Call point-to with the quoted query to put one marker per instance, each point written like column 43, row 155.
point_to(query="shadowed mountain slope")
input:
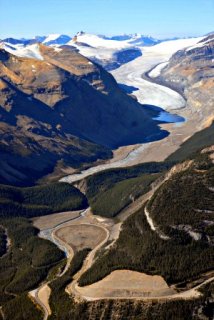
column 56, row 105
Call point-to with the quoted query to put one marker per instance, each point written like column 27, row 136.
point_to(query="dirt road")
column 41, row 301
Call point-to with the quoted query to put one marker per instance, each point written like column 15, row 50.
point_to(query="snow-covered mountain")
column 56, row 39
column 136, row 39
column 203, row 43
column 30, row 47
column 114, row 42
column 62, row 106
column 107, row 52
column 14, row 41
column 23, row 41
column 97, row 41
column 154, row 58
column 51, row 39
column 110, row 52
column 29, row 51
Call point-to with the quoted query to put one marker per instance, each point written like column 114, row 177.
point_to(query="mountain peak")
column 56, row 39
column 80, row 33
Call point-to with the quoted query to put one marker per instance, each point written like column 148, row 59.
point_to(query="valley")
column 111, row 287
column 176, row 116
column 128, row 285
column 136, row 229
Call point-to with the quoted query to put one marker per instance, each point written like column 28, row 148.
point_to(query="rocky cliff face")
column 191, row 71
column 61, row 106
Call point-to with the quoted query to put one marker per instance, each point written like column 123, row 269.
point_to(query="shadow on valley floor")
column 161, row 115
column 128, row 89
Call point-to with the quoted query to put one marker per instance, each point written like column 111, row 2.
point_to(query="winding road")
column 34, row 294
column 73, row 288
column 147, row 92
column 49, row 234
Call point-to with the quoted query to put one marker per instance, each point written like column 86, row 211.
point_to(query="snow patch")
column 57, row 49
column 172, row 46
column 152, row 226
column 188, row 229
column 130, row 74
column 199, row 45
column 157, row 70
column 93, row 46
column 149, row 93
column 51, row 37
column 31, row 51
column 33, row 68
column 195, row 235
column 99, row 42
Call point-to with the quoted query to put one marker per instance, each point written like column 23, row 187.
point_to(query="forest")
column 186, row 198
column 26, row 264
column 3, row 241
column 29, row 260
column 40, row 200
column 110, row 202
column 108, row 192
column 63, row 306
column 141, row 249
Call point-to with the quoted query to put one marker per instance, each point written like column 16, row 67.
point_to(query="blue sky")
column 159, row 18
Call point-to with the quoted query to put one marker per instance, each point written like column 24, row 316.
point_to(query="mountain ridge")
column 63, row 107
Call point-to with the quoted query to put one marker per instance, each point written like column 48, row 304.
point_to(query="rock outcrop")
column 191, row 72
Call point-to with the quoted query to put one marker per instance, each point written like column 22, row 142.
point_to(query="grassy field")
column 40, row 200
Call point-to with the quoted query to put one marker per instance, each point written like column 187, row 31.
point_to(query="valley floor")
column 73, row 232
column 150, row 93
column 78, row 230
column 120, row 284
